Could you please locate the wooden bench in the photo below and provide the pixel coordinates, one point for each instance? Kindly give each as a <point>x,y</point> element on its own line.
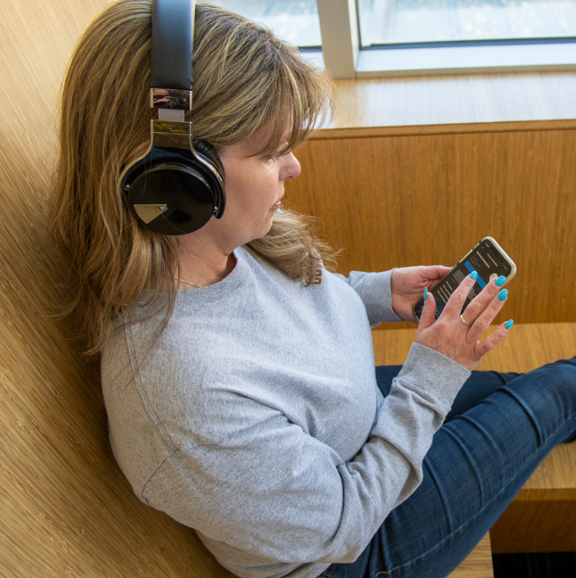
<point>542,518</point>
<point>478,564</point>
<point>66,508</point>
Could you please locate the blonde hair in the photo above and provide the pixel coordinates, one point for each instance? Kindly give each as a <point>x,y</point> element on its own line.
<point>244,78</point>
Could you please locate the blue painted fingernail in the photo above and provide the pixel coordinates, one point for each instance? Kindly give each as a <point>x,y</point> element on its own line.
<point>425,293</point>
<point>474,275</point>
<point>503,294</point>
<point>500,281</point>
<point>509,323</point>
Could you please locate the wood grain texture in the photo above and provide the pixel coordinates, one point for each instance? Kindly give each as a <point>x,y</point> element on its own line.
<point>66,508</point>
<point>400,200</point>
<point>478,564</point>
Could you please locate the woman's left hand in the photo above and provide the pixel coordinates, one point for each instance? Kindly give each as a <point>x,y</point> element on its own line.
<point>408,284</point>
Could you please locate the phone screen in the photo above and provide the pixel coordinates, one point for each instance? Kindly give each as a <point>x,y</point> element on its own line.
<point>485,259</point>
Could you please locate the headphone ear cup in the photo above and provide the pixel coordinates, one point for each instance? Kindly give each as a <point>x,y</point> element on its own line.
<point>170,194</point>
<point>175,193</point>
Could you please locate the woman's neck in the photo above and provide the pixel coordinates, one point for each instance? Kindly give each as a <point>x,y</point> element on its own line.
<point>203,264</point>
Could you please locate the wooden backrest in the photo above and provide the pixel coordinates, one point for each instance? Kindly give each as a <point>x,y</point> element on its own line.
<point>66,508</point>
<point>402,196</point>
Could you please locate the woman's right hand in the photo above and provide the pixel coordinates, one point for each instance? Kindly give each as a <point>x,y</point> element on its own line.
<point>459,339</point>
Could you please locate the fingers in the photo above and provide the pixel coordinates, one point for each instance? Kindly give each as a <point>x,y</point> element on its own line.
<point>436,272</point>
<point>482,309</point>
<point>493,340</point>
<point>493,300</point>
<point>457,299</point>
<point>428,316</point>
<point>481,301</point>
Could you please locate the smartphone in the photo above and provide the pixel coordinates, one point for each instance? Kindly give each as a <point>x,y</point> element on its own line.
<point>487,258</point>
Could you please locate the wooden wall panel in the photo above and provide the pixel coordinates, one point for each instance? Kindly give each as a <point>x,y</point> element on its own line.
<point>66,508</point>
<point>405,199</point>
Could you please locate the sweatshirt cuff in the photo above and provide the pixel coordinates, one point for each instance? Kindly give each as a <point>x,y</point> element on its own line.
<point>431,373</point>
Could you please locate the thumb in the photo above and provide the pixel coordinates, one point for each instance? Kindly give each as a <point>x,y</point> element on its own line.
<point>428,316</point>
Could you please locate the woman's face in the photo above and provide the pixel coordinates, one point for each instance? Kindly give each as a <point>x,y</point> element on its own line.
<point>254,187</point>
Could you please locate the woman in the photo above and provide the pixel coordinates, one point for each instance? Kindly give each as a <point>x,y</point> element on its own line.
<point>238,372</point>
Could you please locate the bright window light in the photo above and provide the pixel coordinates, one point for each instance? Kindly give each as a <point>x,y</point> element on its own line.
<point>416,21</point>
<point>293,20</point>
<point>374,38</point>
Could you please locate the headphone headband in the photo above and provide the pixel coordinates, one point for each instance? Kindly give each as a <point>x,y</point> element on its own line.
<point>172,41</point>
<point>178,185</point>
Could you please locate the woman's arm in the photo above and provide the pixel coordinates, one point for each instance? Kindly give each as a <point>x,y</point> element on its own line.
<point>272,490</point>
<point>391,295</point>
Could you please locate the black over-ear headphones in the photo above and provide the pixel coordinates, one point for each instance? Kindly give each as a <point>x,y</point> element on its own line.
<point>178,184</point>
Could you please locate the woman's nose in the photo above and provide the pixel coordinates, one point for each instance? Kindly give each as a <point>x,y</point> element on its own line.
<point>291,168</point>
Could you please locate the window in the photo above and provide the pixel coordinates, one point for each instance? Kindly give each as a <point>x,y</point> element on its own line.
<point>371,38</point>
<point>412,21</point>
<point>295,21</point>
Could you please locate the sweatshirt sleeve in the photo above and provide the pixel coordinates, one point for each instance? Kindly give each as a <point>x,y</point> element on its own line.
<point>375,291</point>
<point>272,490</point>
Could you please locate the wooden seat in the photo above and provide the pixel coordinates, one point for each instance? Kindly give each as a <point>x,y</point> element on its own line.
<point>478,564</point>
<point>542,518</point>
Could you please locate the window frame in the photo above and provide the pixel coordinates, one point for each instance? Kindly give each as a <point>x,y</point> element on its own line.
<point>345,59</point>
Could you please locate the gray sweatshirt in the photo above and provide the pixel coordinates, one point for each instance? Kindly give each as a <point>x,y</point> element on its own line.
<point>256,419</point>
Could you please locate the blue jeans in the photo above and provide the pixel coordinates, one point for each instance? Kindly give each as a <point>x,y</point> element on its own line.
<point>500,428</point>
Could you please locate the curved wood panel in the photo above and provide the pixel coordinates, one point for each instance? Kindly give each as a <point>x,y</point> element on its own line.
<point>66,508</point>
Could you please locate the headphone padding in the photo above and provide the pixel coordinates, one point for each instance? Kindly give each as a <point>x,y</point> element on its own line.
<point>210,153</point>
<point>206,151</point>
